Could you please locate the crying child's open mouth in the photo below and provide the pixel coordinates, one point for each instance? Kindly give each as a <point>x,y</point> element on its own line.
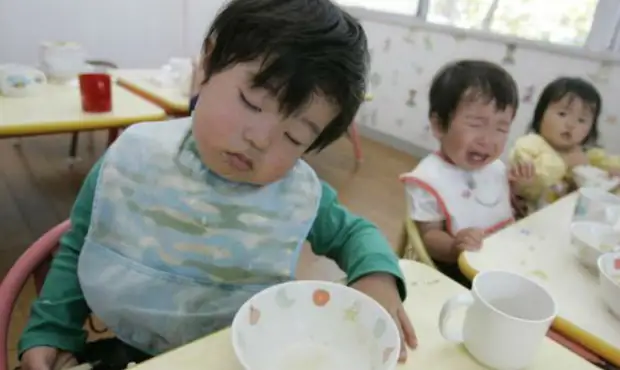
<point>477,158</point>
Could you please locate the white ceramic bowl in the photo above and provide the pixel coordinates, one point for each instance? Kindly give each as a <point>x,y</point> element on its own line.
<point>590,176</point>
<point>609,276</point>
<point>591,239</point>
<point>20,81</point>
<point>595,204</point>
<point>314,325</point>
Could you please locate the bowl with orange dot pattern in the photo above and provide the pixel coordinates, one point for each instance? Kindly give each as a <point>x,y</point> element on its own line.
<point>314,325</point>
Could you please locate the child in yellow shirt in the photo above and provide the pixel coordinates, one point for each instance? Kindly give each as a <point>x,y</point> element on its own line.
<point>564,133</point>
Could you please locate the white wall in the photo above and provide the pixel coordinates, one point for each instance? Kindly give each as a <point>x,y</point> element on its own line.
<point>145,33</point>
<point>200,13</point>
<point>131,33</point>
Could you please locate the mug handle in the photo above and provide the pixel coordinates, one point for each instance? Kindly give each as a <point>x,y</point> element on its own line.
<point>460,301</point>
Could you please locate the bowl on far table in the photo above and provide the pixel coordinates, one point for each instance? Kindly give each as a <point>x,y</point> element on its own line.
<point>314,325</point>
<point>590,176</point>
<point>596,204</point>
<point>20,81</point>
<point>591,239</point>
<point>609,276</point>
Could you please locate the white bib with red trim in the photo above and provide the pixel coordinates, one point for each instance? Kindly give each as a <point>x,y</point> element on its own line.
<point>479,199</point>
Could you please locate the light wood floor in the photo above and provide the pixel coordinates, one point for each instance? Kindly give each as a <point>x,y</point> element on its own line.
<point>37,189</point>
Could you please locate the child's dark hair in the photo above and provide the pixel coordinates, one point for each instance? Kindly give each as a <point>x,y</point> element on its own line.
<point>576,88</point>
<point>470,79</point>
<point>306,46</point>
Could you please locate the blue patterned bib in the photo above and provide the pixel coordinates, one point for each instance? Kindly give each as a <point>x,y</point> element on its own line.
<point>173,250</point>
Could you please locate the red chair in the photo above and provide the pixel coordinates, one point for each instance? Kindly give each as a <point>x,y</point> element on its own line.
<point>34,262</point>
<point>354,136</point>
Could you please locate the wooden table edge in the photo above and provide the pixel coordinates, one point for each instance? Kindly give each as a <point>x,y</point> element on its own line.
<point>572,331</point>
<point>167,105</point>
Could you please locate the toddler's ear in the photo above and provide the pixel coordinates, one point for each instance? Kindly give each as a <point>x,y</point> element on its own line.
<point>199,64</point>
<point>208,46</point>
<point>436,127</point>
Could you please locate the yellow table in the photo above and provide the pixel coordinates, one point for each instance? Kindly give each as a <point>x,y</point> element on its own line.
<point>540,246</point>
<point>428,289</point>
<point>58,109</point>
<point>140,81</point>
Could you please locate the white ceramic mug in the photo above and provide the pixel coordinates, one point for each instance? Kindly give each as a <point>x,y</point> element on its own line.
<point>594,204</point>
<point>508,316</point>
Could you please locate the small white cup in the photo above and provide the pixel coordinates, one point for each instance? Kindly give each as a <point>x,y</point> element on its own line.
<point>508,316</point>
<point>181,70</point>
<point>595,204</point>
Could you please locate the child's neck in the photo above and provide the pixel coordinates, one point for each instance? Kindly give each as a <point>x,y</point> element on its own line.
<point>443,156</point>
<point>567,150</point>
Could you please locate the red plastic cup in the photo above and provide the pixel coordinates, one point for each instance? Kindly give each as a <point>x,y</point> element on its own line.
<point>96,92</point>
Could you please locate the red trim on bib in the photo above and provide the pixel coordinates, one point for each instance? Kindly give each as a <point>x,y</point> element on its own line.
<point>408,179</point>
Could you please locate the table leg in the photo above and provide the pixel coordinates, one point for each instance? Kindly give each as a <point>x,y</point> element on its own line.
<point>73,158</point>
<point>74,144</point>
<point>91,140</point>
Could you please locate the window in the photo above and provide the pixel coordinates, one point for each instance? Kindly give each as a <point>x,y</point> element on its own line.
<point>565,22</point>
<point>558,21</point>
<point>459,13</point>
<point>568,22</point>
<point>409,7</point>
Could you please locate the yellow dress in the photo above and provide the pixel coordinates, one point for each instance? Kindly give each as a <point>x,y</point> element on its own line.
<point>553,178</point>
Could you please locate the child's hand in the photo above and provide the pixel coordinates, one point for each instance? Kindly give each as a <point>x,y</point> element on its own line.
<point>64,360</point>
<point>469,239</point>
<point>382,288</point>
<point>47,358</point>
<point>521,173</point>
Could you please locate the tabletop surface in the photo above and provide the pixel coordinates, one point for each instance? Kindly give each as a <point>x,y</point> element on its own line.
<point>540,246</point>
<point>169,98</point>
<point>58,108</point>
<point>428,290</point>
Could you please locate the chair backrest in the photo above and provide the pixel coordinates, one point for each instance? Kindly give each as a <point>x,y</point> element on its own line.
<point>414,248</point>
<point>35,261</point>
<point>102,64</point>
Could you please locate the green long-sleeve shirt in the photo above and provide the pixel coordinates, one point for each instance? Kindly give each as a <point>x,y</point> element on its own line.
<point>58,315</point>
